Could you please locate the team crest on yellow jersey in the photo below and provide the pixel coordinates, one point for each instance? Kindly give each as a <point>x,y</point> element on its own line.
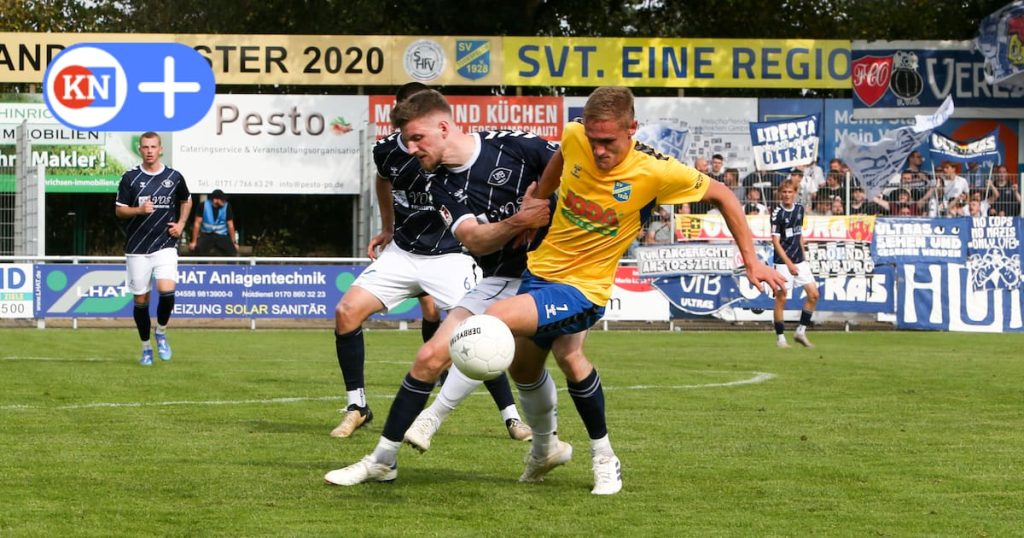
<point>622,190</point>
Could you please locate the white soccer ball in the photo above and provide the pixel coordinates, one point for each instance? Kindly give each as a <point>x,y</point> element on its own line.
<point>482,347</point>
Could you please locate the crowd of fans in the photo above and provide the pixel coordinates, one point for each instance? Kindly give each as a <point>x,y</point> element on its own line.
<point>948,190</point>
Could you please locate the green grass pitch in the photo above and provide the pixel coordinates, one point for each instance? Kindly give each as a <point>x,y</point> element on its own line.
<point>720,434</point>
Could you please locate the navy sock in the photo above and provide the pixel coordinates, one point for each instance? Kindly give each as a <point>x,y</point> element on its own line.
<point>411,399</point>
<point>164,307</point>
<point>780,327</point>
<point>351,356</point>
<point>500,391</point>
<point>142,323</point>
<point>589,399</point>
<point>805,318</point>
<point>428,328</point>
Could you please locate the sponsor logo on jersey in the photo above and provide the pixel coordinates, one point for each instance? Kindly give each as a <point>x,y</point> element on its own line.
<point>499,176</point>
<point>589,215</point>
<point>576,171</point>
<point>129,87</point>
<point>622,190</point>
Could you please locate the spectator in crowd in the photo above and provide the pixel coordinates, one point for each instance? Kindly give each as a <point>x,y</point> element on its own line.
<point>701,208</point>
<point>904,205</point>
<point>213,231</point>
<point>951,185</point>
<point>1004,197</point>
<point>732,180</point>
<point>659,229</point>
<point>914,162</point>
<point>860,205</point>
<point>917,187</point>
<point>957,207</point>
<point>974,208</point>
<point>976,178</point>
<point>836,208</point>
<point>835,165</point>
<point>807,187</point>
<point>814,174</point>
<point>755,203</point>
<point>833,187</point>
<point>717,171</point>
<point>983,204</point>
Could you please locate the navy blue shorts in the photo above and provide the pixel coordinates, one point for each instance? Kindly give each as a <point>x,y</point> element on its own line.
<point>561,309</point>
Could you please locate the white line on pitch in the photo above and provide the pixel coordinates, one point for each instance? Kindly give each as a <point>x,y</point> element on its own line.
<point>759,377</point>
<point>59,359</point>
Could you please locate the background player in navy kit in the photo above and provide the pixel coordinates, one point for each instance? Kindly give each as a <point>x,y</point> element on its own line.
<point>788,240</point>
<point>414,254</point>
<point>154,199</point>
<point>479,185</point>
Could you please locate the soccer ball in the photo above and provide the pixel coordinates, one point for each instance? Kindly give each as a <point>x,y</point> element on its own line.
<point>482,347</point>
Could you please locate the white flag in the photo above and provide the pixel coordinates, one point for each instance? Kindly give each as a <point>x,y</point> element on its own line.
<point>875,163</point>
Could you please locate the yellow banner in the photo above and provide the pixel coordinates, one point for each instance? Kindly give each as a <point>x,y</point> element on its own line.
<point>290,59</point>
<point>677,63</point>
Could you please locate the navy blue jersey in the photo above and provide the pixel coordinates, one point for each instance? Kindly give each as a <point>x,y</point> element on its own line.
<point>167,190</point>
<point>788,224</point>
<point>418,226</point>
<point>490,188</point>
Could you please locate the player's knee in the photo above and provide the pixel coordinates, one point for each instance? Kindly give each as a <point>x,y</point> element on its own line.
<point>574,364</point>
<point>346,317</point>
<point>812,294</point>
<point>431,360</point>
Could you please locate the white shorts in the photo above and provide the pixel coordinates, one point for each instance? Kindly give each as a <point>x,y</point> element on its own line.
<point>802,278</point>
<point>397,275</point>
<point>143,268</point>
<point>489,291</point>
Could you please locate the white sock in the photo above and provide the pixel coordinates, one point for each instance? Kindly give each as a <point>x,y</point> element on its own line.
<point>800,330</point>
<point>510,412</point>
<point>386,451</point>
<point>161,329</point>
<point>146,345</point>
<point>357,397</point>
<point>781,338</point>
<point>457,387</point>
<point>601,447</point>
<point>540,403</point>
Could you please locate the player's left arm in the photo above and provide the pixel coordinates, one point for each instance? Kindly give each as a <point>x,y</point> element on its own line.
<point>757,272</point>
<point>175,228</point>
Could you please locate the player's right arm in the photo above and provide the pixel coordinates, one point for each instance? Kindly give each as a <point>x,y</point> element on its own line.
<point>123,204</point>
<point>386,203</point>
<point>196,226</point>
<point>482,238</point>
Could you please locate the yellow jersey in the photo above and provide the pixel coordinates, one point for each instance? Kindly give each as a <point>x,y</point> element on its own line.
<point>599,212</point>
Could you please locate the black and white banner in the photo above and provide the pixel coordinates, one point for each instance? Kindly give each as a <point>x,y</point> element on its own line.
<point>783,144</point>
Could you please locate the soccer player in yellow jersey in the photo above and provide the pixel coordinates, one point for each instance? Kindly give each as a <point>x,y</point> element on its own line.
<point>607,182</point>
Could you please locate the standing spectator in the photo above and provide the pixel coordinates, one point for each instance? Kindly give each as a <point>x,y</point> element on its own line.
<point>717,171</point>
<point>904,204</point>
<point>788,240</point>
<point>808,188</point>
<point>914,162</point>
<point>732,180</point>
<point>700,207</point>
<point>836,208</point>
<point>755,204</point>
<point>154,199</point>
<point>833,187</point>
<point>974,209</point>
<point>213,232</point>
<point>860,205</point>
<point>1004,196</point>
<point>951,186</point>
<point>659,229</point>
<point>814,174</point>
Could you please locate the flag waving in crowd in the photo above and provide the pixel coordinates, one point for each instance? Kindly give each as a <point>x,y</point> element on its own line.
<point>981,149</point>
<point>783,144</point>
<point>874,164</point>
<point>1001,41</point>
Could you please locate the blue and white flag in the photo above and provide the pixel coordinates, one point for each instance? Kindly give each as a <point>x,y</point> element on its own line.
<point>874,164</point>
<point>1001,41</point>
<point>982,149</point>
<point>667,139</point>
<point>783,144</point>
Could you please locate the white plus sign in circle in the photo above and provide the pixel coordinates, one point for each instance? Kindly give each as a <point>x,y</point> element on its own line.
<point>169,87</point>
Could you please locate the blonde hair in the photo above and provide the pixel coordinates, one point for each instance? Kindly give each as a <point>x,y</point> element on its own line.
<point>610,103</point>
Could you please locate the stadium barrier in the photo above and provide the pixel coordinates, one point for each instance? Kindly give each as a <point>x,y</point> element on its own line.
<point>958,274</point>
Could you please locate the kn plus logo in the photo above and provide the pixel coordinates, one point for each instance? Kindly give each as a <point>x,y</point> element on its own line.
<point>129,87</point>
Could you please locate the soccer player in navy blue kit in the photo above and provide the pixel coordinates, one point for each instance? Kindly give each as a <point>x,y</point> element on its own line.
<point>154,199</point>
<point>788,240</point>
<point>479,183</point>
<point>414,254</point>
